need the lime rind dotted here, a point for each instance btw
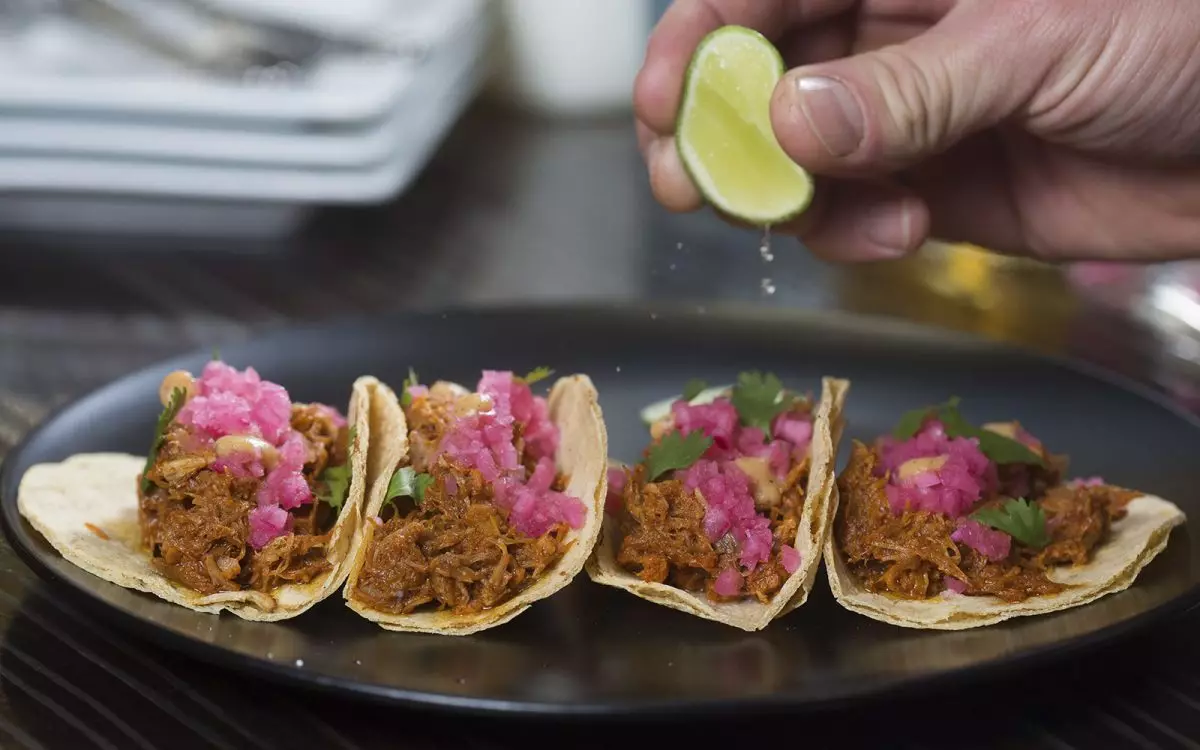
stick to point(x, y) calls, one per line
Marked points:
point(745, 174)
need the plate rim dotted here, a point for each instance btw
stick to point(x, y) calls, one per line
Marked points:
point(29, 549)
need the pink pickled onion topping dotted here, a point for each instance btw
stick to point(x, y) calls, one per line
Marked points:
point(228, 402)
point(989, 542)
point(485, 441)
point(955, 585)
point(726, 489)
point(417, 391)
point(730, 509)
point(728, 583)
point(267, 523)
point(752, 442)
point(718, 420)
point(1086, 482)
point(953, 488)
point(285, 486)
point(232, 402)
point(794, 429)
point(617, 478)
point(534, 508)
point(790, 557)
point(242, 465)
point(512, 400)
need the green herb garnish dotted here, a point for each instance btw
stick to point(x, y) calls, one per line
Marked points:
point(337, 478)
point(216, 354)
point(759, 399)
point(169, 412)
point(693, 388)
point(406, 482)
point(536, 374)
point(409, 382)
point(1020, 519)
point(337, 484)
point(675, 451)
point(997, 447)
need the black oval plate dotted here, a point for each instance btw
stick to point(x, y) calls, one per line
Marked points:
point(592, 650)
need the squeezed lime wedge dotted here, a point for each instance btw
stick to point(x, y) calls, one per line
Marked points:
point(724, 133)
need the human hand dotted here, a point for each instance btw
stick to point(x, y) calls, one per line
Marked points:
point(1061, 129)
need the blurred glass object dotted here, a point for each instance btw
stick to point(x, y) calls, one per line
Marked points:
point(570, 57)
point(967, 288)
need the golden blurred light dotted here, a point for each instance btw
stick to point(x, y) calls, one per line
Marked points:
point(966, 287)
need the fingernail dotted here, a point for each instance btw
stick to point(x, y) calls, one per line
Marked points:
point(889, 225)
point(832, 113)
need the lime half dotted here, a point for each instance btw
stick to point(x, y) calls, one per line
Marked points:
point(724, 132)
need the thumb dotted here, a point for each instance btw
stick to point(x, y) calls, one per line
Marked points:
point(882, 110)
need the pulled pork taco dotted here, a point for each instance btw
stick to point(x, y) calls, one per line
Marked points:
point(726, 515)
point(490, 501)
point(247, 502)
point(945, 525)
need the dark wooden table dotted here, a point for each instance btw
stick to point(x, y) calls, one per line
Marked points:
point(510, 210)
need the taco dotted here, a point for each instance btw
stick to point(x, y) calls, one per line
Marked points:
point(247, 502)
point(945, 525)
point(490, 501)
point(726, 515)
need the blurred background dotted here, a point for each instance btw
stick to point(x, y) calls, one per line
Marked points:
point(177, 173)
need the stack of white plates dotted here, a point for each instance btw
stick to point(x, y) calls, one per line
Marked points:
point(83, 111)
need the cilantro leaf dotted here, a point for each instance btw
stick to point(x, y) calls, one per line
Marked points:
point(337, 478)
point(410, 381)
point(337, 485)
point(675, 451)
point(1020, 519)
point(406, 482)
point(693, 388)
point(536, 374)
point(169, 412)
point(997, 447)
point(910, 422)
point(760, 398)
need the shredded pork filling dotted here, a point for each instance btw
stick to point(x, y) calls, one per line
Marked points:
point(911, 555)
point(454, 551)
point(194, 520)
point(663, 538)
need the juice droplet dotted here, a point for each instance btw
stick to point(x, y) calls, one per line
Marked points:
point(765, 248)
point(768, 287)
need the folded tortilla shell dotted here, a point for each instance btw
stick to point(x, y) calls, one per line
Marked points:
point(815, 522)
point(1135, 540)
point(582, 456)
point(66, 501)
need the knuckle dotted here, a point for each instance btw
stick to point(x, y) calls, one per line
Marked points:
point(918, 102)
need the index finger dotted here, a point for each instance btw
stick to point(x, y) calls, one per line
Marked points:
point(659, 84)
